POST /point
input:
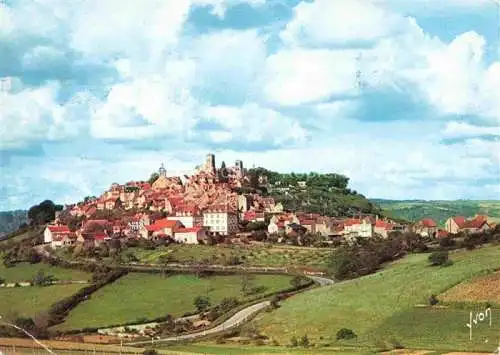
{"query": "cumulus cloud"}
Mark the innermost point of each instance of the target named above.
(33, 114)
(337, 22)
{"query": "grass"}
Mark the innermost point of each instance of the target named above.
(254, 256)
(26, 272)
(368, 304)
(28, 301)
(143, 296)
(235, 349)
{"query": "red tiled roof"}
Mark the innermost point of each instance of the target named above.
(428, 222)
(442, 234)
(100, 236)
(59, 229)
(477, 222)
(459, 220)
(352, 222)
(307, 222)
(162, 223)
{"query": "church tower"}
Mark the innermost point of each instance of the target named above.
(162, 171)
(210, 163)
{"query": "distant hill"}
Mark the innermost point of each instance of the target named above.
(11, 220)
(414, 210)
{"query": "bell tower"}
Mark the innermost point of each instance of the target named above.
(162, 171)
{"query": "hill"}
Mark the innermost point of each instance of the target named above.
(384, 307)
(327, 194)
(11, 221)
(414, 210)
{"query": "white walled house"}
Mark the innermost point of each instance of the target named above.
(361, 228)
(188, 219)
(58, 236)
(220, 221)
(190, 235)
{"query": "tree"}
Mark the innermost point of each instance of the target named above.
(150, 352)
(439, 258)
(41, 279)
(153, 178)
(2, 281)
(43, 212)
(294, 342)
(345, 333)
(201, 303)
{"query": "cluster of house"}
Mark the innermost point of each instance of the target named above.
(367, 226)
(429, 228)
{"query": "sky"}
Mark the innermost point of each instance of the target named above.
(402, 96)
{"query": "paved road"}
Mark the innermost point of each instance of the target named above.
(234, 321)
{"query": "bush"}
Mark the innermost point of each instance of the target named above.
(201, 303)
(396, 344)
(446, 242)
(304, 341)
(345, 334)
(294, 342)
(439, 258)
(433, 300)
(150, 352)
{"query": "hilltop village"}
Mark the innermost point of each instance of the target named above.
(209, 207)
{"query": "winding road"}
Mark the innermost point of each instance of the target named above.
(235, 320)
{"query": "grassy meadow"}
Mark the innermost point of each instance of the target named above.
(26, 272)
(381, 308)
(28, 301)
(254, 256)
(139, 296)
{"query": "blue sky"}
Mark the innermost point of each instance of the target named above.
(102, 91)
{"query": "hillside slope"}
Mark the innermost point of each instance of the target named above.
(11, 220)
(382, 307)
(327, 194)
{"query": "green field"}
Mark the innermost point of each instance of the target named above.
(143, 296)
(235, 349)
(440, 211)
(28, 301)
(255, 256)
(376, 305)
(26, 272)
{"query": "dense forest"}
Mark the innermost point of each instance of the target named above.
(327, 194)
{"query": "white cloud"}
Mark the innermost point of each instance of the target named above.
(461, 129)
(33, 114)
(148, 106)
(334, 22)
(253, 124)
(298, 76)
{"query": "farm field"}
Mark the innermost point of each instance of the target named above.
(482, 289)
(373, 303)
(139, 296)
(255, 256)
(28, 301)
(26, 272)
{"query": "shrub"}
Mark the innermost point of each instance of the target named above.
(294, 342)
(433, 300)
(201, 303)
(304, 341)
(345, 334)
(438, 258)
(150, 352)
